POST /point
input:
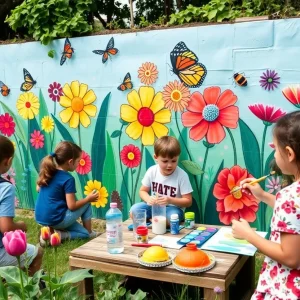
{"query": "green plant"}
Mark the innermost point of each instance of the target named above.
(113, 25)
(144, 22)
(51, 53)
(45, 20)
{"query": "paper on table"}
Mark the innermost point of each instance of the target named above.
(223, 241)
(166, 241)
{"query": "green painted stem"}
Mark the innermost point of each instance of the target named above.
(17, 142)
(138, 174)
(122, 172)
(131, 180)
(21, 277)
(233, 146)
(201, 179)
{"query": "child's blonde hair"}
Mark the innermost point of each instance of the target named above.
(167, 146)
(7, 148)
(64, 151)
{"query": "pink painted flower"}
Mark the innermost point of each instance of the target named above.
(130, 156)
(55, 91)
(9, 175)
(292, 94)
(267, 113)
(273, 184)
(85, 164)
(15, 242)
(37, 139)
(7, 124)
(209, 113)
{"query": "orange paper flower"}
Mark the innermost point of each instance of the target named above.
(148, 73)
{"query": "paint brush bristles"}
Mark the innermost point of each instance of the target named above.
(254, 181)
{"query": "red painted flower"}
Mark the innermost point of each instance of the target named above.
(55, 91)
(85, 164)
(281, 224)
(289, 207)
(207, 114)
(37, 139)
(273, 272)
(293, 282)
(7, 124)
(130, 156)
(267, 113)
(292, 94)
(237, 204)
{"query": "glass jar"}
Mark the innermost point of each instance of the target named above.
(189, 220)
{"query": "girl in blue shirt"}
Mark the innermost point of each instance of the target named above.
(56, 204)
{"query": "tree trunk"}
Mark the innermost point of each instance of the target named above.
(131, 14)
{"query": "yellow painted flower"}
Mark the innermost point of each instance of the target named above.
(103, 194)
(78, 103)
(47, 124)
(28, 105)
(176, 96)
(146, 115)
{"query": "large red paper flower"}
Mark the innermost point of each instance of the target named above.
(37, 139)
(130, 156)
(208, 113)
(267, 113)
(7, 124)
(292, 93)
(234, 205)
(85, 164)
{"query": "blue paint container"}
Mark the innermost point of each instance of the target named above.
(174, 224)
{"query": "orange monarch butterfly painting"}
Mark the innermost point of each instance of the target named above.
(110, 50)
(67, 53)
(4, 89)
(186, 66)
(127, 84)
(28, 83)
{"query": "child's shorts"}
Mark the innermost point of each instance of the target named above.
(26, 258)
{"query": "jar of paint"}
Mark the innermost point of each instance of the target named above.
(174, 224)
(189, 221)
(142, 234)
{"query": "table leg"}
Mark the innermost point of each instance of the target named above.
(86, 286)
(209, 294)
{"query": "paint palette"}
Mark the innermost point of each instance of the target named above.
(199, 236)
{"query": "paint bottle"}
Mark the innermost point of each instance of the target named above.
(189, 221)
(174, 224)
(142, 234)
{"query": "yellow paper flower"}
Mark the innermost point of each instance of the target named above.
(28, 105)
(47, 124)
(148, 73)
(77, 101)
(103, 194)
(176, 96)
(146, 115)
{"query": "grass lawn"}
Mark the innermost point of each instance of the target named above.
(102, 281)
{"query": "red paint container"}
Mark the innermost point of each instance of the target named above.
(142, 234)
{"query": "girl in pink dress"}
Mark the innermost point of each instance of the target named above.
(280, 274)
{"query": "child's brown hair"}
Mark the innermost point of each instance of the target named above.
(7, 148)
(167, 146)
(63, 152)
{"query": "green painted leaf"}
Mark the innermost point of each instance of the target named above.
(268, 162)
(75, 276)
(192, 167)
(149, 159)
(124, 195)
(250, 150)
(98, 151)
(116, 133)
(211, 215)
(62, 130)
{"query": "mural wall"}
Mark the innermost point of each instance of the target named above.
(218, 89)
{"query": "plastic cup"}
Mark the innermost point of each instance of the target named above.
(138, 219)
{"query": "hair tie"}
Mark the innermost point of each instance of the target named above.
(53, 154)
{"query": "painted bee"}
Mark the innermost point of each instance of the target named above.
(240, 79)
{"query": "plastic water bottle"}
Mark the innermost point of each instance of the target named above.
(114, 232)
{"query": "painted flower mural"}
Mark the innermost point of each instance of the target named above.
(85, 164)
(208, 114)
(234, 205)
(37, 139)
(267, 113)
(148, 73)
(176, 96)
(47, 124)
(269, 80)
(77, 101)
(103, 194)
(292, 94)
(7, 124)
(273, 184)
(130, 156)
(146, 115)
(55, 91)
(28, 105)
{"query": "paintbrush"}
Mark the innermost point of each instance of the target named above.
(253, 182)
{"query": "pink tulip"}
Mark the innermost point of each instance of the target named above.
(15, 242)
(55, 239)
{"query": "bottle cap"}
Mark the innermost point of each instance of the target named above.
(142, 230)
(113, 204)
(174, 216)
(189, 215)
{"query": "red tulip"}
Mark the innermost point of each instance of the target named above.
(45, 233)
(55, 239)
(15, 242)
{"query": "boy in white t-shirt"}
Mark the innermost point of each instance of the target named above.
(166, 180)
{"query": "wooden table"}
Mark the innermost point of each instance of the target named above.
(93, 255)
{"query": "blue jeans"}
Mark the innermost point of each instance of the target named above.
(170, 209)
(71, 225)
